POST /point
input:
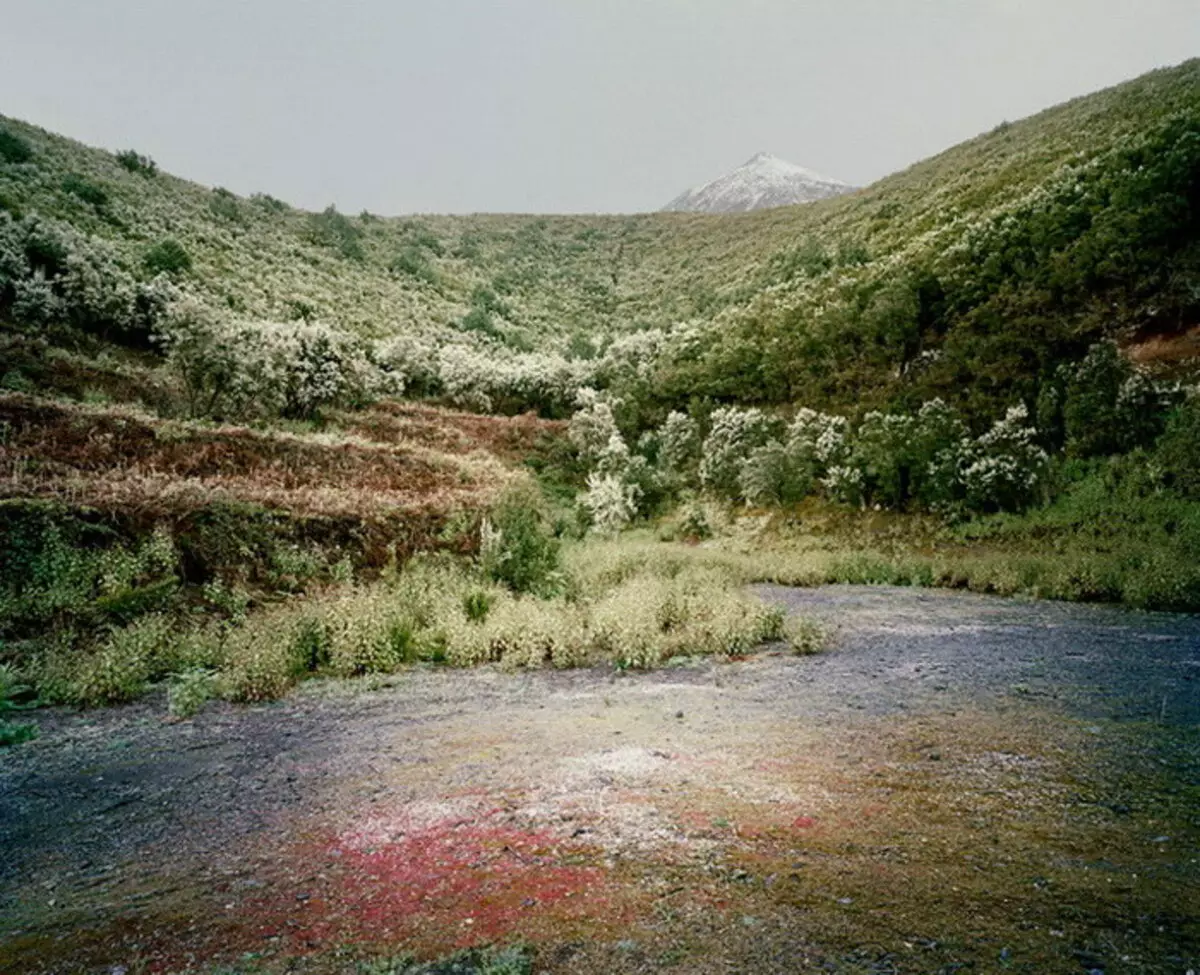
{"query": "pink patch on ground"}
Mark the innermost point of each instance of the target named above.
(463, 879)
(803, 822)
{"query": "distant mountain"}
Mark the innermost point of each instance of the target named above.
(764, 181)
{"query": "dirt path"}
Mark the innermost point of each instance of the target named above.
(959, 783)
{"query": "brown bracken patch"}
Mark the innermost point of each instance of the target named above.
(120, 457)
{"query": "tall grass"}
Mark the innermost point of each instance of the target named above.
(628, 604)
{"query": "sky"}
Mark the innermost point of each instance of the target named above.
(554, 106)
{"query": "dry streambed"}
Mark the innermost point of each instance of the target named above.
(959, 783)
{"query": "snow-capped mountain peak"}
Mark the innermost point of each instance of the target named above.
(762, 181)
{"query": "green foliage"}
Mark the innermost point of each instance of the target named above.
(513, 960)
(225, 205)
(121, 666)
(136, 163)
(1109, 408)
(84, 189)
(13, 697)
(168, 256)
(14, 149)
(415, 263)
(476, 605)
(518, 548)
(1178, 451)
(190, 690)
(55, 566)
(337, 232)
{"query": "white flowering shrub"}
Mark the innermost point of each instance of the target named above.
(844, 483)
(410, 363)
(50, 274)
(232, 368)
(774, 474)
(679, 442)
(592, 426)
(818, 437)
(492, 379)
(631, 357)
(611, 502)
(733, 434)
(1005, 468)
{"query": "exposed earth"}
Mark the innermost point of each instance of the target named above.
(958, 783)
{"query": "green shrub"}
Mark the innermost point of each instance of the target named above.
(134, 162)
(337, 232)
(85, 190)
(804, 635)
(476, 604)
(12, 692)
(190, 690)
(262, 659)
(1178, 451)
(120, 667)
(224, 204)
(517, 547)
(14, 733)
(168, 256)
(14, 149)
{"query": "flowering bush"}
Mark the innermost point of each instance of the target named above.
(1005, 468)
(820, 438)
(734, 433)
(1109, 407)
(294, 369)
(52, 275)
(611, 502)
(592, 427)
(773, 474)
(679, 442)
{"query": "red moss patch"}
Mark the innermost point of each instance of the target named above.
(452, 883)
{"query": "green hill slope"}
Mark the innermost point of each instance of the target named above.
(968, 275)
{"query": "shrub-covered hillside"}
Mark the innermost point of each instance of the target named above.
(968, 276)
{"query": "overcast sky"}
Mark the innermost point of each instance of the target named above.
(552, 106)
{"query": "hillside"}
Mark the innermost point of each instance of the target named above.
(761, 183)
(200, 390)
(1009, 249)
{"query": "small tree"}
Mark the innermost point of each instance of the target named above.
(14, 149)
(168, 256)
(734, 433)
(134, 162)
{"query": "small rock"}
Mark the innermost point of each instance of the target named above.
(679, 714)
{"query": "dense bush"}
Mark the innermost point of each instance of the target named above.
(517, 546)
(1108, 407)
(733, 434)
(84, 189)
(50, 275)
(135, 162)
(337, 232)
(167, 257)
(243, 369)
(1179, 450)
(14, 149)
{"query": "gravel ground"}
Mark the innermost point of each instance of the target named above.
(958, 782)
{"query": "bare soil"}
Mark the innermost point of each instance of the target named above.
(958, 783)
